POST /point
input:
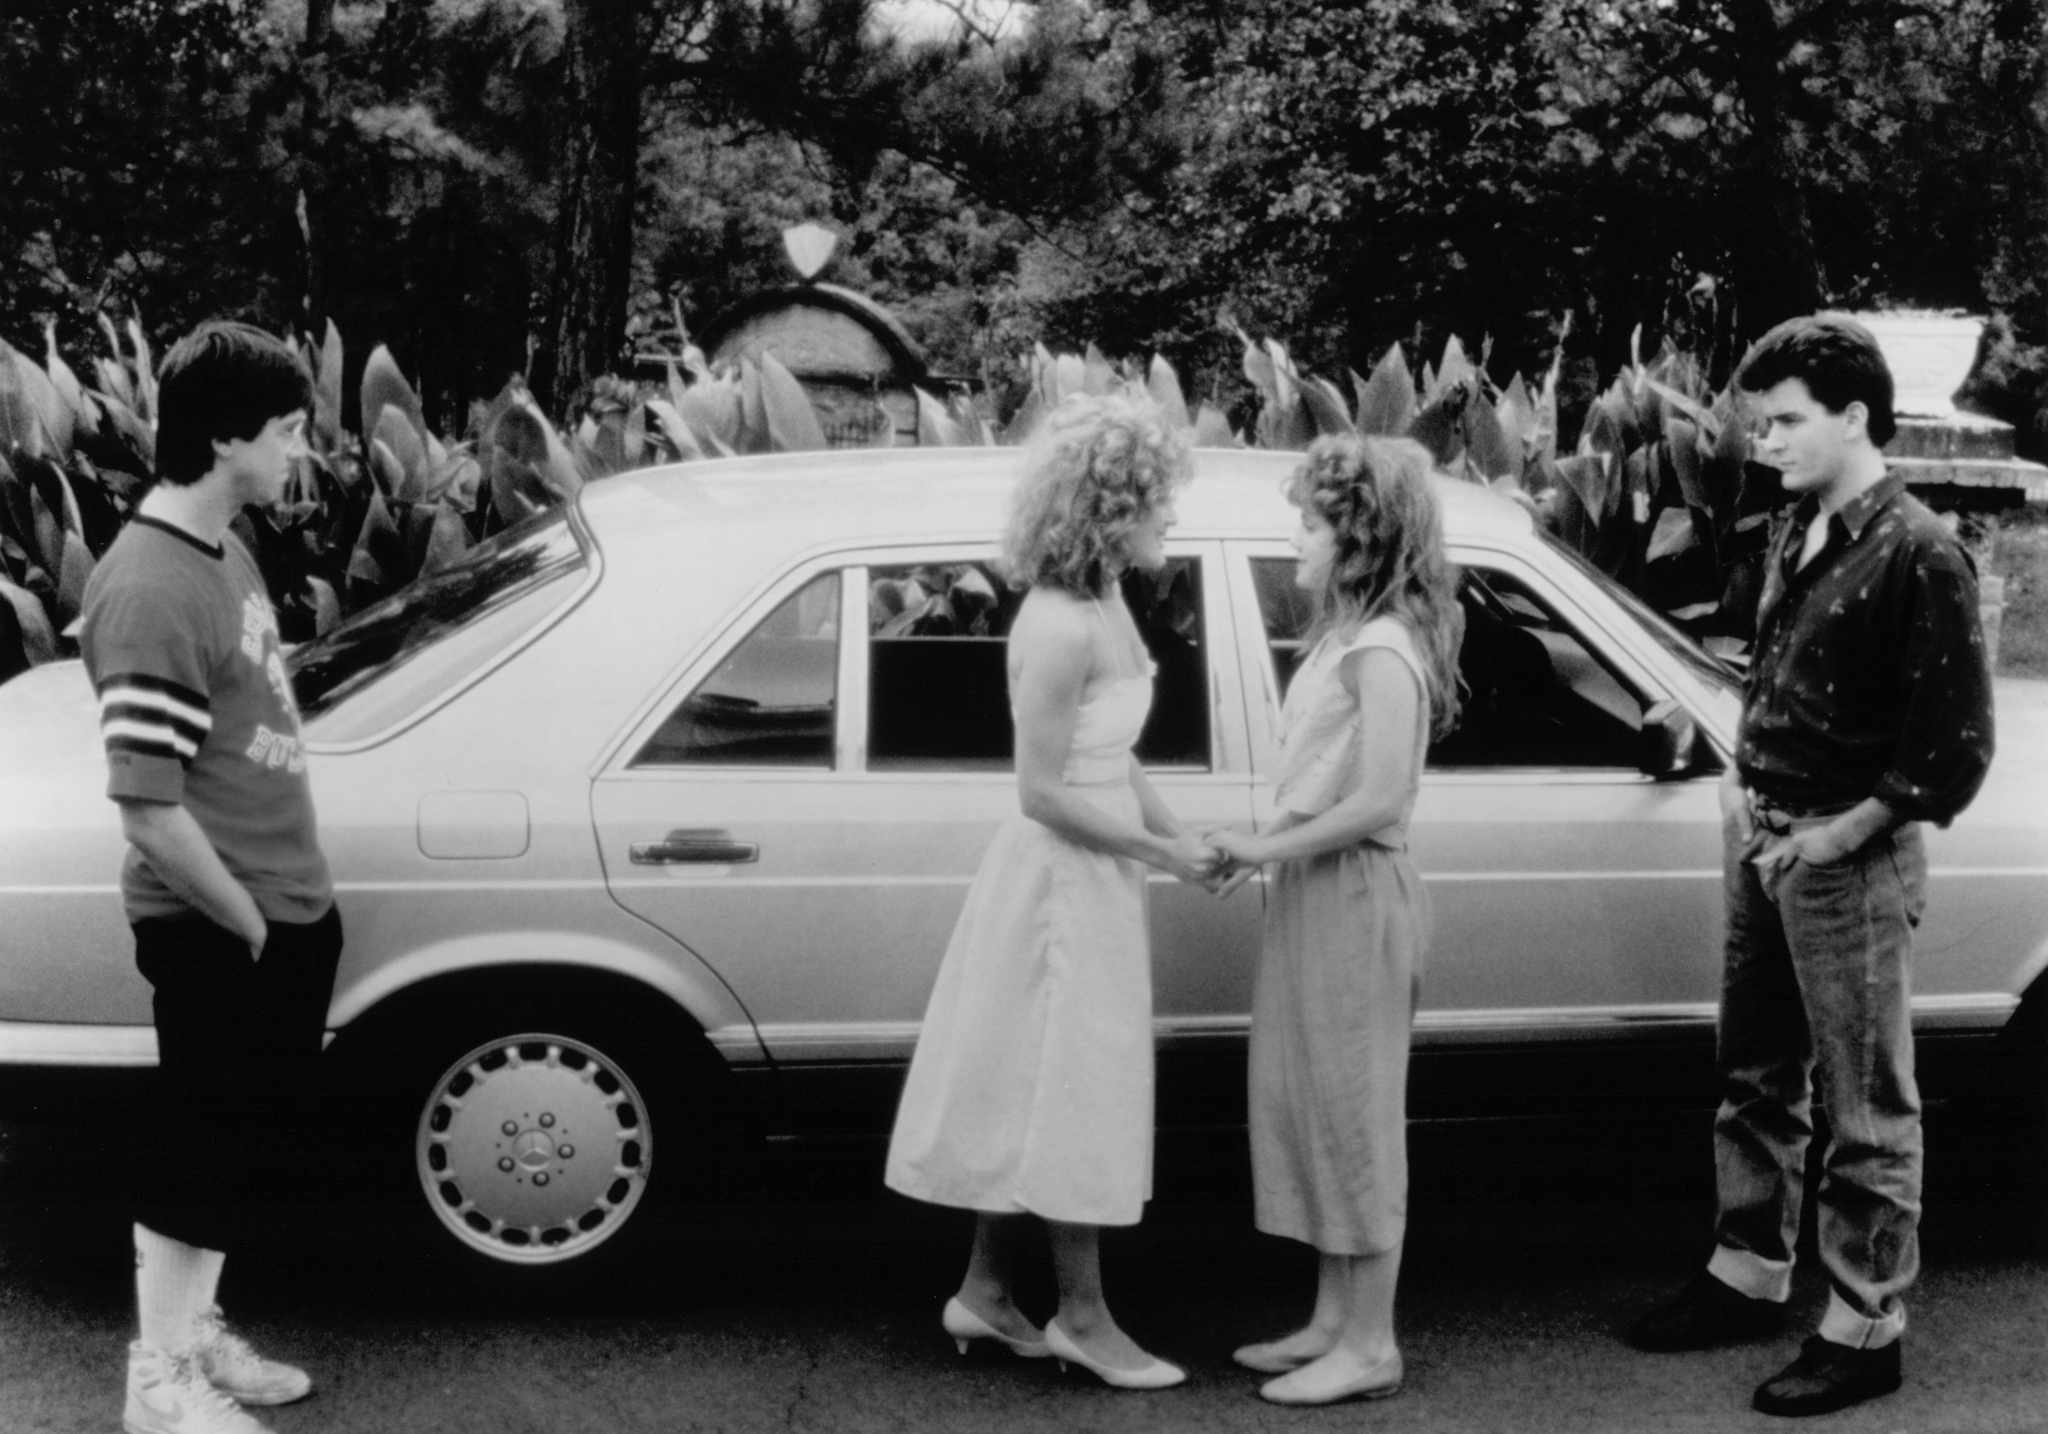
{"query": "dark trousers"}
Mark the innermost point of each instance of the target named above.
(232, 1105)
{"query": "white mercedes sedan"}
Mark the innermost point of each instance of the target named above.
(651, 818)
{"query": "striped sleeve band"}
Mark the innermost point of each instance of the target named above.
(153, 717)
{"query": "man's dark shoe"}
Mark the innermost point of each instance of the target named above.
(1704, 1314)
(1829, 1376)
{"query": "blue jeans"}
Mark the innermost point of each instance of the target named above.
(1815, 998)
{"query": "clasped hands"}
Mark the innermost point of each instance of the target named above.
(1219, 863)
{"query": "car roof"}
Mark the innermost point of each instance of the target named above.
(758, 509)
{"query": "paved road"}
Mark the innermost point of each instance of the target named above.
(816, 1306)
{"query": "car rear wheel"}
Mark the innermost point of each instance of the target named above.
(522, 1125)
(534, 1148)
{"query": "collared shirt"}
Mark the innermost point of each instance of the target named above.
(1869, 676)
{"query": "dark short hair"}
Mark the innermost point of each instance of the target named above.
(221, 381)
(1835, 357)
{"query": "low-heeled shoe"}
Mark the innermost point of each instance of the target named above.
(1158, 1374)
(965, 1325)
(1704, 1314)
(1829, 1376)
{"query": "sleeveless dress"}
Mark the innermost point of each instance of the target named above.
(1031, 1086)
(1339, 976)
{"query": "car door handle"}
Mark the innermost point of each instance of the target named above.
(694, 844)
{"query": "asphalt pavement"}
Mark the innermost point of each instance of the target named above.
(811, 1302)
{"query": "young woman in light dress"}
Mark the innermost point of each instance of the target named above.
(1031, 1089)
(1347, 918)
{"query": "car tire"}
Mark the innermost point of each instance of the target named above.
(529, 1125)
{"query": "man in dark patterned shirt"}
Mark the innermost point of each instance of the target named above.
(1868, 712)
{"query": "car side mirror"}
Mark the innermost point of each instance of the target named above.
(1668, 744)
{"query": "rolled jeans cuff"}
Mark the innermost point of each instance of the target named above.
(1751, 1274)
(1847, 1325)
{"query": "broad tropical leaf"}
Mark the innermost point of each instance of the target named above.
(792, 421)
(383, 385)
(1163, 384)
(1386, 401)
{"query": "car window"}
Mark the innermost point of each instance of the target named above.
(361, 676)
(771, 702)
(938, 688)
(1535, 693)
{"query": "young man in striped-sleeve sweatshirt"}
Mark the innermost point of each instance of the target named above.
(224, 882)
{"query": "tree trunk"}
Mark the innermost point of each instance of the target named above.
(1780, 265)
(585, 321)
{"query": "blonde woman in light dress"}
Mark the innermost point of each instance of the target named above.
(1347, 918)
(1030, 1093)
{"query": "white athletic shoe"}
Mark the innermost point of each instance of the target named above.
(239, 1371)
(167, 1394)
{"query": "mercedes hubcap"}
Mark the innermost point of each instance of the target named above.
(534, 1148)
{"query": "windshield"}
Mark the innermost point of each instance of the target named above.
(1719, 676)
(496, 577)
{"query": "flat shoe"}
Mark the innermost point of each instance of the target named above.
(1373, 1384)
(1266, 1359)
(964, 1324)
(1156, 1375)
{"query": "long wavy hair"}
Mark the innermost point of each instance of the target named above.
(1097, 468)
(1389, 559)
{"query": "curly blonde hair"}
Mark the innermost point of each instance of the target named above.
(1098, 467)
(1389, 559)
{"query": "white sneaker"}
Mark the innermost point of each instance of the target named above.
(239, 1371)
(167, 1394)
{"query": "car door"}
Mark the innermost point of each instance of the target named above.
(1574, 895)
(807, 809)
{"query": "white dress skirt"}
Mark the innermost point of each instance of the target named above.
(1031, 1087)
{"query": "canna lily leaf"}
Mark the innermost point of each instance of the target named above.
(1325, 407)
(447, 538)
(37, 637)
(1213, 430)
(74, 572)
(753, 435)
(1024, 422)
(792, 421)
(1438, 429)
(712, 407)
(384, 386)
(636, 436)
(327, 390)
(1097, 376)
(1386, 401)
(1487, 449)
(1673, 534)
(69, 391)
(326, 606)
(390, 470)
(1163, 384)
(1455, 369)
(1069, 375)
(935, 427)
(1258, 367)
(114, 381)
(145, 372)
(677, 431)
(31, 418)
(394, 434)
(377, 565)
